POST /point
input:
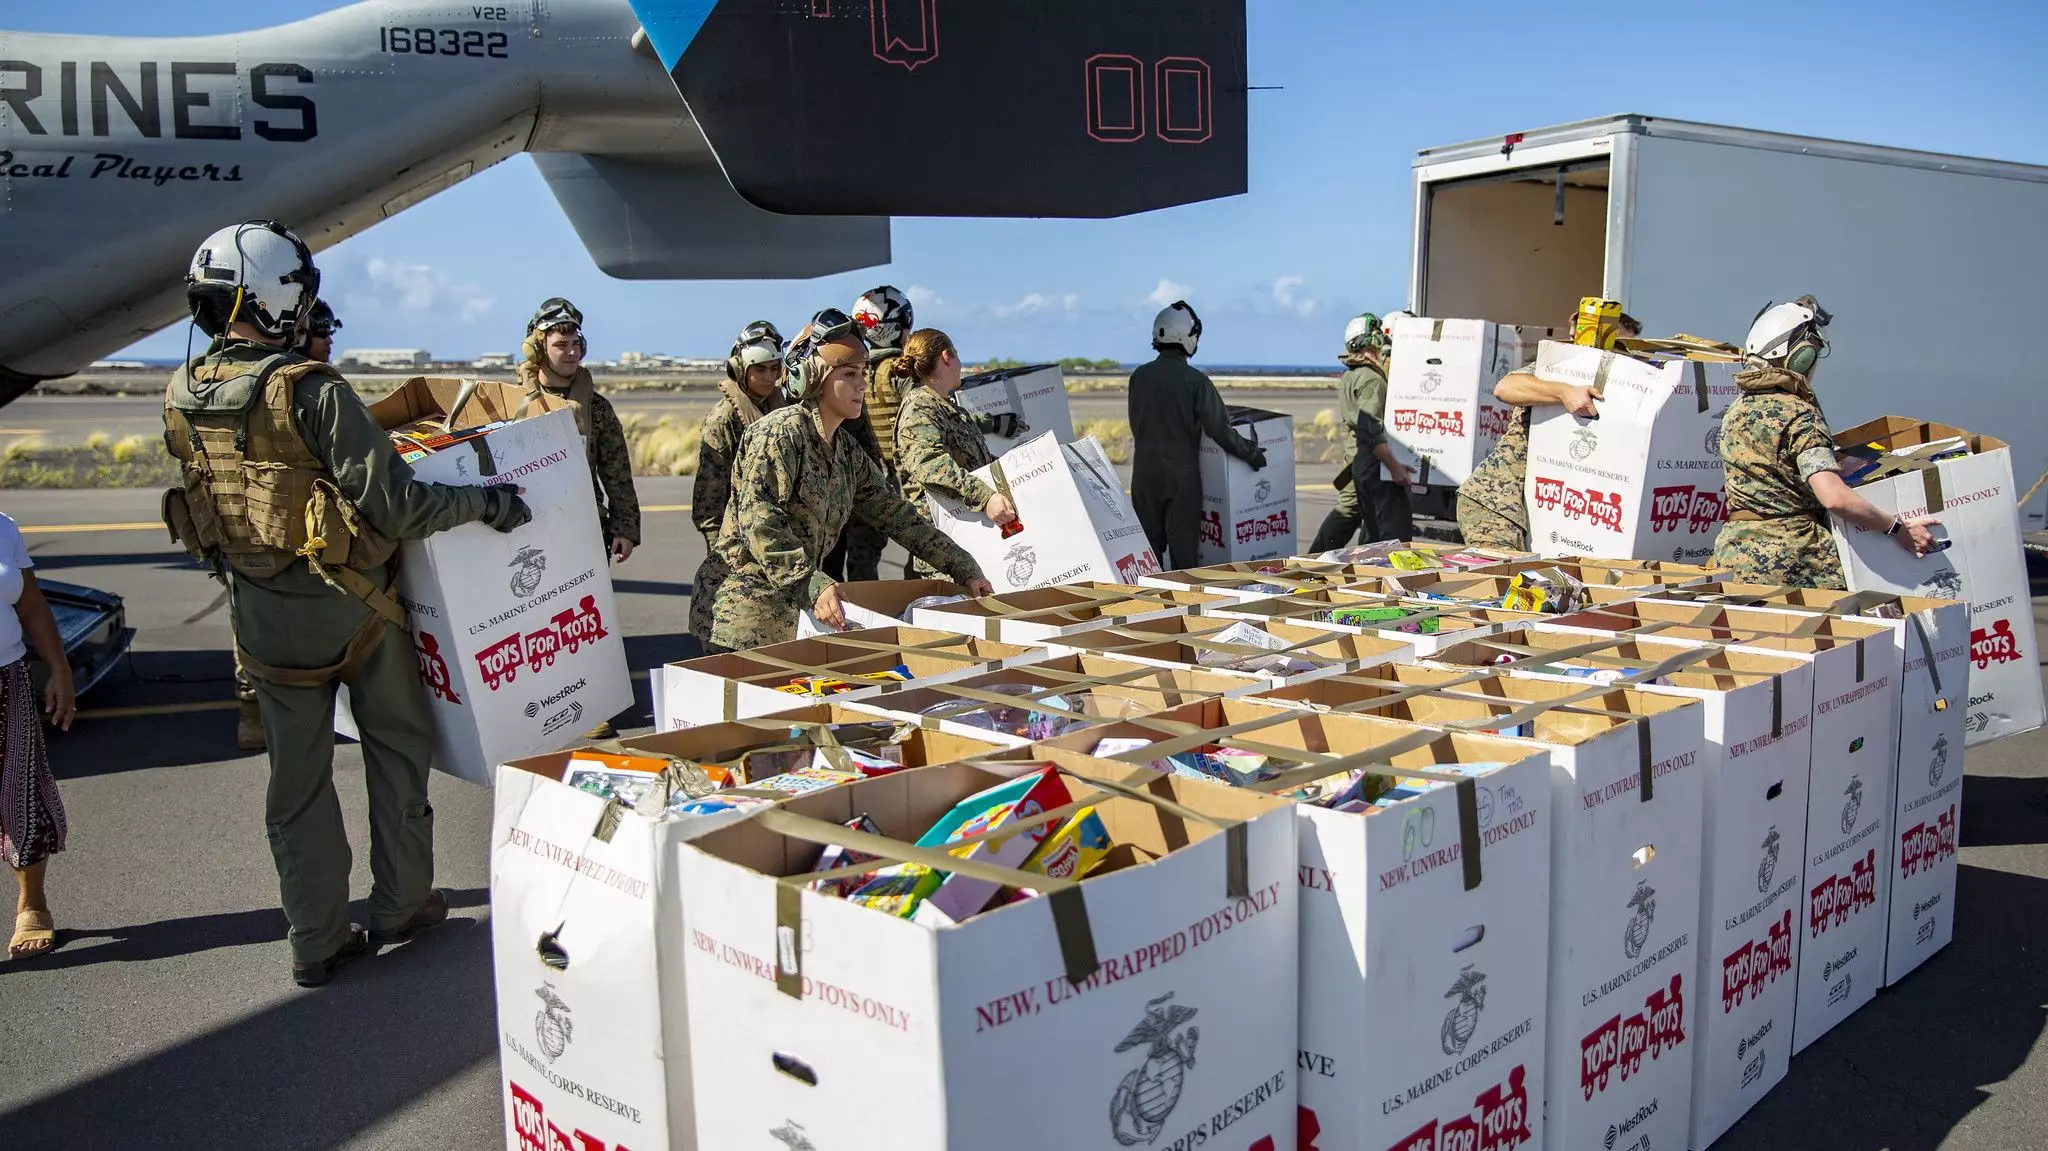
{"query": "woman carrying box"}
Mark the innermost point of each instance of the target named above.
(800, 476)
(938, 444)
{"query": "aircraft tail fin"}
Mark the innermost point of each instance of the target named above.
(656, 218)
(1067, 108)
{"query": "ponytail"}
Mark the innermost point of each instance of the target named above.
(921, 354)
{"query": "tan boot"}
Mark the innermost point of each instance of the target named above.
(249, 726)
(601, 731)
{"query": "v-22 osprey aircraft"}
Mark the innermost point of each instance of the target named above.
(683, 138)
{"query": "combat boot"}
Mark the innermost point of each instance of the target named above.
(249, 726)
(601, 731)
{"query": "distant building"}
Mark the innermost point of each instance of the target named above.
(389, 359)
(492, 362)
(117, 365)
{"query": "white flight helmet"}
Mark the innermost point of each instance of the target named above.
(885, 315)
(1364, 334)
(1177, 326)
(1388, 321)
(257, 272)
(1788, 335)
(757, 343)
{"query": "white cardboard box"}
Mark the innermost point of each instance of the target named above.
(1297, 654)
(1449, 623)
(1759, 750)
(876, 603)
(1246, 514)
(1038, 393)
(1078, 522)
(517, 633)
(737, 685)
(1042, 614)
(1933, 642)
(1984, 566)
(1850, 798)
(919, 1038)
(1642, 480)
(1441, 417)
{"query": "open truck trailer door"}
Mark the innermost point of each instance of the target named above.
(1932, 264)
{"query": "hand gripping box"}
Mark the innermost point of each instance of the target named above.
(1933, 641)
(1984, 566)
(1441, 417)
(844, 666)
(1043, 614)
(1856, 687)
(1643, 479)
(1150, 1004)
(1274, 653)
(1022, 705)
(876, 603)
(1077, 522)
(1039, 394)
(1426, 626)
(517, 633)
(1759, 714)
(1626, 772)
(1423, 924)
(585, 930)
(1246, 514)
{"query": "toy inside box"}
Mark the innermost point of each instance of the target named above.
(1345, 609)
(1419, 555)
(881, 603)
(1044, 613)
(1275, 650)
(429, 414)
(1254, 580)
(1061, 694)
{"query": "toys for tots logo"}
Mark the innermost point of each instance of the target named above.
(1619, 1044)
(567, 632)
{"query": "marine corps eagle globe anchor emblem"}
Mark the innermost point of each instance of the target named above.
(1148, 1094)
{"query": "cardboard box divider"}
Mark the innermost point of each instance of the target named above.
(1142, 688)
(1360, 557)
(1038, 614)
(1235, 580)
(800, 996)
(742, 680)
(876, 603)
(1178, 641)
(1450, 621)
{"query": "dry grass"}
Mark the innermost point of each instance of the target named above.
(664, 447)
(133, 462)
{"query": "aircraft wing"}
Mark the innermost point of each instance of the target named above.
(1064, 108)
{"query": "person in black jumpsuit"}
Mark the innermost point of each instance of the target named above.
(1172, 406)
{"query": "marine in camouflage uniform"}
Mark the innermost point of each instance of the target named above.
(938, 446)
(718, 449)
(1492, 512)
(1773, 440)
(792, 494)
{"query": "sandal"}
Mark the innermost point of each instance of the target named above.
(35, 933)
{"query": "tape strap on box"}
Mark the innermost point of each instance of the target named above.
(1698, 372)
(1930, 477)
(1919, 630)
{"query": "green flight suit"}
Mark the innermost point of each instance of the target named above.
(1172, 406)
(1363, 389)
(295, 620)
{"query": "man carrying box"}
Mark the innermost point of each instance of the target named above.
(296, 498)
(1783, 475)
(1172, 406)
(1361, 401)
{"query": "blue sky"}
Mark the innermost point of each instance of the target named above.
(1324, 230)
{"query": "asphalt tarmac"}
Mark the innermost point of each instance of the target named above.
(168, 1019)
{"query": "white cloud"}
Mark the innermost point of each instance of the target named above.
(1284, 295)
(1037, 302)
(1167, 292)
(924, 299)
(425, 291)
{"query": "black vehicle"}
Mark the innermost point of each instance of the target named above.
(93, 625)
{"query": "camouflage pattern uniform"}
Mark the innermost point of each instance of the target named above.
(1772, 442)
(717, 449)
(859, 552)
(938, 445)
(604, 440)
(1492, 511)
(1362, 389)
(792, 494)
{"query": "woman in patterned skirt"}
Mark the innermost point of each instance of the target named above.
(31, 814)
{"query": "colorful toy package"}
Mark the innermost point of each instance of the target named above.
(804, 780)
(1073, 850)
(834, 857)
(1398, 618)
(960, 896)
(817, 686)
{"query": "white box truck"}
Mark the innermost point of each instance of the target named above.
(1931, 264)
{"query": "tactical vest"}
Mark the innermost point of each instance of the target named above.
(884, 401)
(254, 495)
(581, 393)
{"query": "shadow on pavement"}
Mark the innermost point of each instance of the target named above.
(1906, 1071)
(2002, 811)
(311, 1072)
(649, 587)
(165, 560)
(171, 937)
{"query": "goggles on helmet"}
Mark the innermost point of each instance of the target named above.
(553, 313)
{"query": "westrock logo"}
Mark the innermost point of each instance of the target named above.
(1463, 1019)
(1939, 762)
(552, 1027)
(1019, 562)
(791, 1135)
(1644, 905)
(1584, 444)
(1852, 803)
(1767, 868)
(1148, 1095)
(527, 569)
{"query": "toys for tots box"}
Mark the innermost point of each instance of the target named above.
(1984, 565)
(876, 603)
(1441, 417)
(1246, 514)
(1641, 480)
(517, 634)
(1077, 522)
(1146, 1005)
(1039, 394)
